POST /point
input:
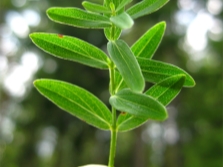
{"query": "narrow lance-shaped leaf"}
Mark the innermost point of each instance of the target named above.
(93, 7)
(123, 4)
(71, 48)
(76, 101)
(145, 7)
(156, 71)
(127, 65)
(149, 42)
(123, 20)
(138, 104)
(164, 92)
(78, 18)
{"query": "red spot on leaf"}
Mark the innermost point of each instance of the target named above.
(123, 113)
(60, 35)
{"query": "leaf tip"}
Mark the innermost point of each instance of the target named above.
(36, 82)
(31, 35)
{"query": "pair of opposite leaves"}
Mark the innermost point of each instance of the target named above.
(100, 116)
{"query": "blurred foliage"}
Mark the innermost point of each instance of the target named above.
(197, 112)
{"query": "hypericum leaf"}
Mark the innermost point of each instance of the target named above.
(128, 122)
(145, 7)
(138, 104)
(78, 18)
(166, 90)
(93, 7)
(149, 42)
(127, 64)
(123, 20)
(156, 71)
(119, 82)
(71, 48)
(122, 4)
(76, 101)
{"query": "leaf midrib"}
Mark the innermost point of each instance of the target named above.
(69, 49)
(84, 108)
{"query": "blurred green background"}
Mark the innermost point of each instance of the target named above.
(35, 133)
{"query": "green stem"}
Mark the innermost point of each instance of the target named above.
(112, 145)
(113, 129)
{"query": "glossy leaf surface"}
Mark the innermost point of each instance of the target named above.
(123, 20)
(145, 7)
(76, 101)
(93, 7)
(156, 71)
(71, 48)
(138, 104)
(78, 18)
(127, 65)
(166, 90)
(149, 42)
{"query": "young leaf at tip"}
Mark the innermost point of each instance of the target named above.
(138, 104)
(123, 21)
(156, 71)
(127, 64)
(78, 18)
(71, 48)
(145, 7)
(76, 101)
(113, 32)
(147, 44)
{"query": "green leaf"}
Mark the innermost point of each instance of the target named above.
(112, 33)
(145, 7)
(119, 82)
(127, 64)
(123, 4)
(156, 71)
(76, 101)
(123, 20)
(93, 7)
(71, 48)
(149, 42)
(78, 18)
(138, 104)
(128, 122)
(166, 90)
